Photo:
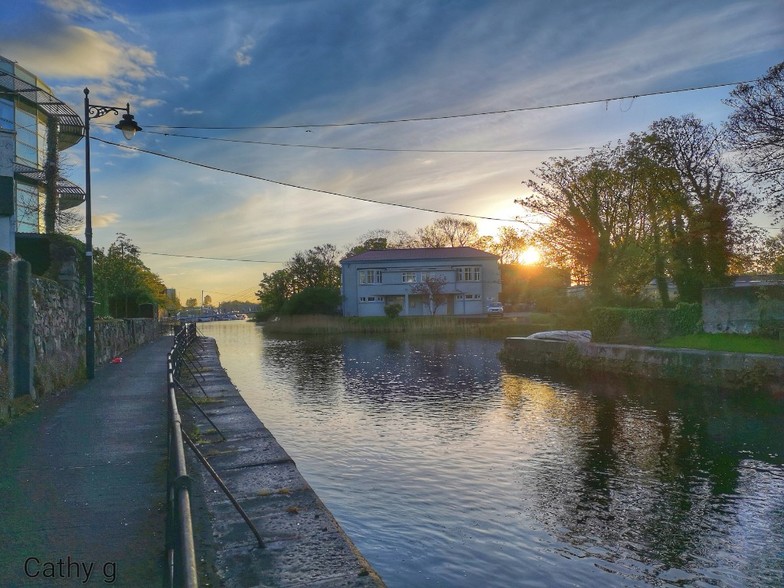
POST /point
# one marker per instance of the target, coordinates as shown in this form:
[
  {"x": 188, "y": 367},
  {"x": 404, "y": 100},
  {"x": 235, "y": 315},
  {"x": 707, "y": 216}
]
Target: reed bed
[{"x": 409, "y": 326}]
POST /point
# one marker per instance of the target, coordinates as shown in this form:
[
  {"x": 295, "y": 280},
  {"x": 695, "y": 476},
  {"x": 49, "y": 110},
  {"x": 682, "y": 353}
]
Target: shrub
[
  {"x": 645, "y": 325},
  {"x": 393, "y": 310},
  {"x": 685, "y": 319}
]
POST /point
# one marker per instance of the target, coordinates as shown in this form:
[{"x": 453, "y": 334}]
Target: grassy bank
[
  {"x": 414, "y": 326},
  {"x": 726, "y": 342}
]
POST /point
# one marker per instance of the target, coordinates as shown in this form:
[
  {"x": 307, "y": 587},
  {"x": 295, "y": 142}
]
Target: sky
[{"x": 251, "y": 147}]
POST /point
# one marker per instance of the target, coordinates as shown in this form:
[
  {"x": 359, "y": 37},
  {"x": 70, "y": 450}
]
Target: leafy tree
[
  {"x": 756, "y": 129},
  {"x": 191, "y": 303},
  {"x": 313, "y": 300},
  {"x": 123, "y": 282},
  {"x": 509, "y": 244},
  {"x": 208, "y": 300},
  {"x": 379, "y": 239},
  {"x": 274, "y": 290},
  {"x": 597, "y": 218},
  {"x": 431, "y": 287},
  {"x": 704, "y": 208},
  {"x": 315, "y": 268}
]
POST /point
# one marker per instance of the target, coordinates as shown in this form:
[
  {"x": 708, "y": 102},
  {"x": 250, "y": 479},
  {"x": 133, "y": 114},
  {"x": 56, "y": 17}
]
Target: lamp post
[{"x": 128, "y": 127}]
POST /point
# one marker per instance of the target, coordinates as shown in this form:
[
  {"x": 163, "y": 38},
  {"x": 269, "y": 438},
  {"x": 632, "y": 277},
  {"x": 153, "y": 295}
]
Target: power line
[
  {"x": 317, "y": 190},
  {"x": 465, "y": 115},
  {"x": 382, "y": 149},
  {"x": 209, "y": 258}
]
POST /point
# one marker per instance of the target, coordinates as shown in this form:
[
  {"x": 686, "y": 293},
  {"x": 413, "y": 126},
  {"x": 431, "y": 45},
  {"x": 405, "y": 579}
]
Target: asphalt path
[{"x": 83, "y": 481}]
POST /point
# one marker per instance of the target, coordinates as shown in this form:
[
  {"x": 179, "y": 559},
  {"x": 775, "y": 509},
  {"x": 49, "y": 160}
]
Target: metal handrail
[{"x": 181, "y": 552}]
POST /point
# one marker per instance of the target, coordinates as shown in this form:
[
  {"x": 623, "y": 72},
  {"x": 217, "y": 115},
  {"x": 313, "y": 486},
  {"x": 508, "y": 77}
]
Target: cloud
[
  {"x": 55, "y": 46},
  {"x": 185, "y": 111},
  {"x": 242, "y": 57},
  {"x": 105, "y": 220}
]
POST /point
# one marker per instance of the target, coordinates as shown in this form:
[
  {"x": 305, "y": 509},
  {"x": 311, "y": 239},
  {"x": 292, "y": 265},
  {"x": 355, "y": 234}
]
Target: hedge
[{"x": 644, "y": 325}]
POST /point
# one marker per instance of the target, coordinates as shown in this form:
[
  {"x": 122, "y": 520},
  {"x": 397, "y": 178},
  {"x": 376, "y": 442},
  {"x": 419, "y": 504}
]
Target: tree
[
  {"x": 274, "y": 290},
  {"x": 756, "y": 129},
  {"x": 509, "y": 244},
  {"x": 314, "y": 268},
  {"x": 314, "y": 300},
  {"x": 122, "y": 282},
  {"x": 771, "y": 257},
  {"x": 431, "y": 287},
  {"x": 705, "y": 207},
  {"x": 191, "y": 303},
  {"x": 208, "y": 300},
  {"x": 448, "y": 232},
  {"x": 597, "y": 218}
]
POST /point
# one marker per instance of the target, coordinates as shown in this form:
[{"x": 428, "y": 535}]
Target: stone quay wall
[
  {"x": 42, "y": 335},
  {"x": 712, "y": 368}
]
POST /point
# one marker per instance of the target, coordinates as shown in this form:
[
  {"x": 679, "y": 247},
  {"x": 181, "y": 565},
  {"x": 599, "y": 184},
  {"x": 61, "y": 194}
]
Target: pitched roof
[{"x": 422, "y": 253}]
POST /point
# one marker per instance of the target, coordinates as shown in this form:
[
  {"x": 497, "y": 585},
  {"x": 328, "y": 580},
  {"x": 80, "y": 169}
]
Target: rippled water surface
[{"x": 446, "y": 469}]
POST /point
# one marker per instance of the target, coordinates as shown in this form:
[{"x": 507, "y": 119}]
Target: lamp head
[{"x": 127, "y": 125}]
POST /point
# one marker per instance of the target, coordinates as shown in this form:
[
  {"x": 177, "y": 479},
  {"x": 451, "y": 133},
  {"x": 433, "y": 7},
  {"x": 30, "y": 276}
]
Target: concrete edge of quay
[
  {"x": 750, "y": 371},
  {"x": 304, "y": 544}
]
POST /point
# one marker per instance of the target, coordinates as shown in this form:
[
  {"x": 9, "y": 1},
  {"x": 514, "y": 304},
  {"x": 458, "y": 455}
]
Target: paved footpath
[{"x": 83, "y": 481}]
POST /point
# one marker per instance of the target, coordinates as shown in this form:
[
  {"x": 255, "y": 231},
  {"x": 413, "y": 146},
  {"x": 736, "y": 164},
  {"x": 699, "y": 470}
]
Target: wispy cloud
[
  {"x": 186, "y": 111},
  {"x": 105, "y": 220},
  {"x": 242, "y": 56}
]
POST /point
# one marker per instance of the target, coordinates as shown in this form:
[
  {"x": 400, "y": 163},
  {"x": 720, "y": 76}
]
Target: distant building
[
  {"x": 171, "y": 294},
  {"x": 34, "y": 127},
  {"x": 374, "y": 279}
]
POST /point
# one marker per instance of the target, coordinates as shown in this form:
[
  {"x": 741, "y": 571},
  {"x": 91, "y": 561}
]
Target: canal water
[{"x": 447, "y": 469}]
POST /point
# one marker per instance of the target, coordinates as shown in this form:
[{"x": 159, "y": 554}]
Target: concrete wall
[
  {"x": 42, "y": 335},
  {"x": 743, "y": 309},
  {"x": 725, "y": 370}
]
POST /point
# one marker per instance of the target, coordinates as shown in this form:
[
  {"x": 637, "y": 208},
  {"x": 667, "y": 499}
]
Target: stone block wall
[
  {"x": 743, "y": 309},
  {"x": 58, "y": 336},
  {"x": 42, "y": 346},
  {"x": 747, "y": 371}
]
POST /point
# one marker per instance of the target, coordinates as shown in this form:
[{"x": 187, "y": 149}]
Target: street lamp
[{"x": 128, "y": 127}]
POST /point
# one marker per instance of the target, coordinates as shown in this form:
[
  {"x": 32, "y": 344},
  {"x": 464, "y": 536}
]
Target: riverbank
[
  {"x": 750, "y": 371},
  {"x": 446, "y": 326},
  {"x": 304, "y": 544}
]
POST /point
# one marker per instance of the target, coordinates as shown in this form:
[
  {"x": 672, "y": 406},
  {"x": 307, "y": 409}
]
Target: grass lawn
[{"x": 726, "y": 342}]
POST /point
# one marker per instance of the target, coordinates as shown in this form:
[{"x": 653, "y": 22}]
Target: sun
[{"x": 530, "y": 256}]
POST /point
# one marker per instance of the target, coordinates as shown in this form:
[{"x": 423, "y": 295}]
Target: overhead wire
[
  {"x": 381, "y": 149},
  {"x": 210, "y": 258},
  {"x": 309, "y": 189},
  {"x": 463, "y": 115}
]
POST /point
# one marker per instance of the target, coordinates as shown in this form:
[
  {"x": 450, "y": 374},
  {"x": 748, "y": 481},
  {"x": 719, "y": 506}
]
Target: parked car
[{"x": 495, "y": 309}]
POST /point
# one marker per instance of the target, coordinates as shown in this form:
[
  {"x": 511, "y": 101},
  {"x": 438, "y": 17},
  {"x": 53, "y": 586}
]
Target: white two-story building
[{"x": 373, "y": 279}]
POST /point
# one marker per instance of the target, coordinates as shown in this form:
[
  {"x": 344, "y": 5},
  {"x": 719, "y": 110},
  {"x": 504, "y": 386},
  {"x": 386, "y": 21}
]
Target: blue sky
[{"x": 256, "y": 63}]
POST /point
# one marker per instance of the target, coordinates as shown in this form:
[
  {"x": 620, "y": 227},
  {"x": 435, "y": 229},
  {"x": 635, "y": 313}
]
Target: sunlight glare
[{"x": 530, "y": 256}]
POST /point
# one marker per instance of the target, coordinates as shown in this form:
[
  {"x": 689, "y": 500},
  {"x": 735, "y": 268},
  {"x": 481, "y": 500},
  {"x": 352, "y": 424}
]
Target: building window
[
  {"x": 367, "y": 299},
  {"x": 6, "y": 115},
  {"x": 471, "y": 273},
  {"x": 469, "y": 297},
  {"x": 369, "y": 276},
  {"x": 409, "y": 277}
]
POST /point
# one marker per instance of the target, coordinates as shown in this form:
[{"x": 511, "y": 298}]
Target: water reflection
[{"x": 448, "y": 470}]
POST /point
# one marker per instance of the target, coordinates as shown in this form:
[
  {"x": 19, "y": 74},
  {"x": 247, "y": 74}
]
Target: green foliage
[
  {"x": 315, "y": 268},
  {"x": 393, "y": 310},
  {"x": 314, "y": 300},
  {"x": 123, "y": 283},
  {"x": 685, "y": 319},
  {"x": 644, "y": 325}
]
